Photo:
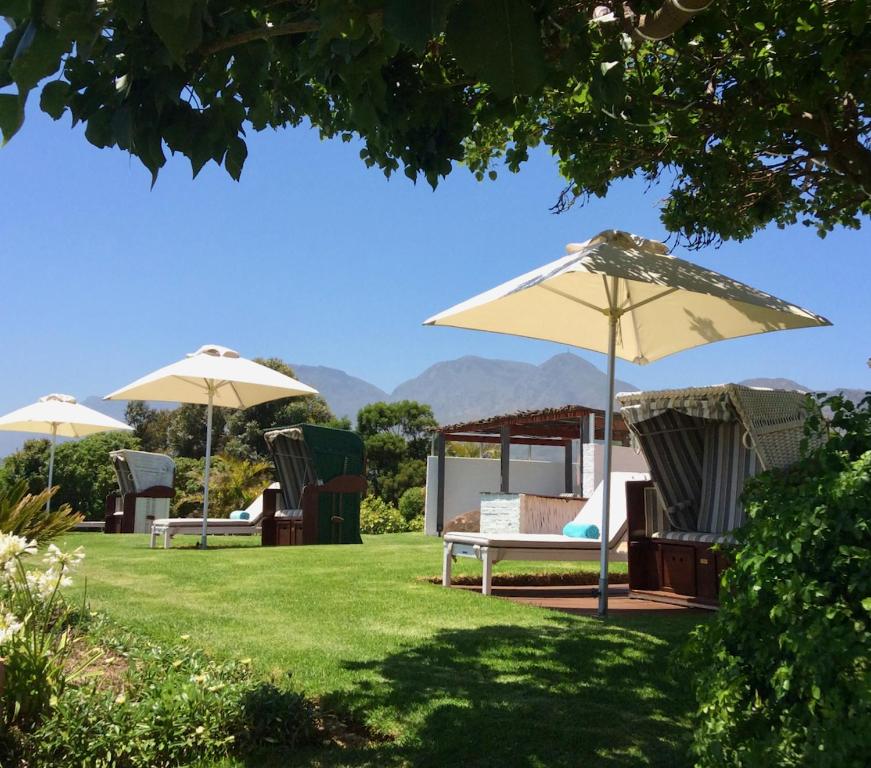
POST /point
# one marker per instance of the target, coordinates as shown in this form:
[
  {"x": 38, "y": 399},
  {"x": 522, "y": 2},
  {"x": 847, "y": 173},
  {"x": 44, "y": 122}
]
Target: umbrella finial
[
  {"x": 215, "y": 350},
  {"x": 57, "y": 398}
]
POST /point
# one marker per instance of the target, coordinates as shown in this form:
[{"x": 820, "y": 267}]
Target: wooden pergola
[{"x": 553, "y": 427}]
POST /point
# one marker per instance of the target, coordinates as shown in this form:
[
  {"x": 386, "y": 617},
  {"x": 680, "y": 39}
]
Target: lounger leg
[
  {"x": 167, "y": 538},
  {"x": 153, "y": 537},
  {"x": 448, "y": 561},
  {"x": 487, "y": 577}
]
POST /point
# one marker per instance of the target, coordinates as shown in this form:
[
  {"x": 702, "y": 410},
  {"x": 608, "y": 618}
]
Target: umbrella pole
[
  {"x": 606, "y": 490},
  {"x": 208, "y": 465},
  {"x": 51, "y": 465}
]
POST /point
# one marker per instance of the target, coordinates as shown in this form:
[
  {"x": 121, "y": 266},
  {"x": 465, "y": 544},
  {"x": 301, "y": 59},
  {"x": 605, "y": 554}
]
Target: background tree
[
  {"x": 751, "y": 112},
  {"x": 186, "y": 433},
  {"x": 150, "y": 425},
  {"x": 396, "y": 436},
  {"x": 245, "y": 428},
  {"x": 82, "y": 470}
]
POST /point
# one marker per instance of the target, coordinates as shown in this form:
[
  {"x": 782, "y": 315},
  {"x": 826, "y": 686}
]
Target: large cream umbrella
[
  {"x": 627, "y": 297},
  {"x": 59, "y": 416},
  {"x": 213, "y": 376}
]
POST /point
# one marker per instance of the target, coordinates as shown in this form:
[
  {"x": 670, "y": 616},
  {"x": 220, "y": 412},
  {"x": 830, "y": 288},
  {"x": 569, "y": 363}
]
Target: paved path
[{"x": 581, "y": 600}]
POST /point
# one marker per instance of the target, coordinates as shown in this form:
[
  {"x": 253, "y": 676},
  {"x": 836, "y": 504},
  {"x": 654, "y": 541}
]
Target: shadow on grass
[{"x": 572, "y": 693}]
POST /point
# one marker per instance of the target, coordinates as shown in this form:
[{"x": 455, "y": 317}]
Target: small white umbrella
[
  {"x": 627, "y": 297},
  {"x": 59, "y": 416},
  {"x": 213, "y": 375}
]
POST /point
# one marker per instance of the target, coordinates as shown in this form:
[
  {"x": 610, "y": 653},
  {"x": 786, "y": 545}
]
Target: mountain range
[{"x": 462, "y": 389}]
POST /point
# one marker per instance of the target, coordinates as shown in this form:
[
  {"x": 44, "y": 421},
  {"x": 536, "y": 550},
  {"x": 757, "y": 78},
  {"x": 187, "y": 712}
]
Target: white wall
[
  {"x": 623, "y": 459},
  {"x": 466, "y": 479}
]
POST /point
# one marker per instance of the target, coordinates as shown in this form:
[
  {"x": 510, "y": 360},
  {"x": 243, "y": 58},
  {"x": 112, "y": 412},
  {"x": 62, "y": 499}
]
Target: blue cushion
[
  {"x": 581, "y": 530},
  {"x": 239, "y": 514}
]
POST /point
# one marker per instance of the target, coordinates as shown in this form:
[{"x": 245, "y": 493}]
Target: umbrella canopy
[
  {"x": 627, "y": 297},
  {"x": 59, "y": 416},
  {"x": 216, "y": 373},
  {"x": 62, "y": 416},
  {"x": 663, "y": 304},
  {"x": 213, "y": 375}
]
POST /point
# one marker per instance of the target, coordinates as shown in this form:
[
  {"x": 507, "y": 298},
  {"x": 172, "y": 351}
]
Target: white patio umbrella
[
  {"x": 59, "y": 416},
  {"x": 213, "y": 375},
  {"x": 627, "y": 297}
]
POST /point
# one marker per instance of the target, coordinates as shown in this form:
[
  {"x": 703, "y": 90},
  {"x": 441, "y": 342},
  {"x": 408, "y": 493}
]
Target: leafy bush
[
  {"x": 82, "y": 470},
  {"x": 35, "y": 637},
  {"x": 377, "y": 516},
  {"x": 23, "y": 514},
  {"x": 233, "y": 484},
  {"x": 188, "y": 498},
  {"x": 174, "y": 706},
  {"x": 783, "y": 673},
  {"x": 411, "y": 503}
]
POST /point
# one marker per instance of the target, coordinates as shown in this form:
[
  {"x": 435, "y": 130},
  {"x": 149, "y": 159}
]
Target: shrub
[
  {"x": 783, "y": 673},
  {"x": 174, "y": 706},
  {"x": 35, "y": 637},
  {"x": 23, "y": 514},
  {"x": 377, "y": 516},
  {"x": 233, "y": 484},
  {"x": 82, "y": 470},
  {"x": 411, "y": 504}
]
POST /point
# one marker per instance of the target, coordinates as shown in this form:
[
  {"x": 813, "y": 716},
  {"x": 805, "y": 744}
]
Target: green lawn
[{"x": 456, "y": 678}]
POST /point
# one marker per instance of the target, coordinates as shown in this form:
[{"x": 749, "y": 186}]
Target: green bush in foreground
[
  {"x": 35, "y": 638},
  {"x": 783, "y": 673},
  {"x": 411, "y": 506},
  {"x": 377, "y": 516},
  {"x": 24, "y": 514},
  {"x": 175, "y": 706}
]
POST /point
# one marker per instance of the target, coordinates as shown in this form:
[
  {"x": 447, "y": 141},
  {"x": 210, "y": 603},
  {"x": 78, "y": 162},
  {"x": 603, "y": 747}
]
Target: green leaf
[
  {"x": 500, "y": 42},
  {"x": 38, "y": 55},
  {"x": 858, "y": 15},
  {"x": 237, "y": 151},
  {"x": 178, "y": 24},
  {"x": 54, "y": 97},
  {"x": 15, "y": 9},
  {"x": 129, "y": 10},
  {"x": 7, "y": 52},
  {"x": 11, "y": 115},
  {"x": 416, "y": 22}
]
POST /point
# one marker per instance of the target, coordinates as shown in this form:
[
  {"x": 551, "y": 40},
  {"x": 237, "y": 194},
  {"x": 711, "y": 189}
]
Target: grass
[{"x": 450, "y": 676}]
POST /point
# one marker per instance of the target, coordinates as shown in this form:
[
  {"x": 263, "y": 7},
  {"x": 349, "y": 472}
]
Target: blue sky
[{"x": 318, "y": 260}]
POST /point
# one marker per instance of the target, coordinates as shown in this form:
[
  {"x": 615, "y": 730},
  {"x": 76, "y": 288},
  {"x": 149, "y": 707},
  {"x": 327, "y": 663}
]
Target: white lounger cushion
[
  {"x": 525, "y": 540},
  {"x": 197, "y": 522},
  {"x": 591, "y": 512}
]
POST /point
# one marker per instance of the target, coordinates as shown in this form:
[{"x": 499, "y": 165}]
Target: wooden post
[
  {"x": 440, "y": 485},
  {"x": 505, "y": 458},
  {"x": 568, "y": 467}
]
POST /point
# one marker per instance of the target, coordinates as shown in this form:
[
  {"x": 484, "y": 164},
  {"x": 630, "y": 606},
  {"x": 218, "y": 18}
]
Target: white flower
[
  {"x": 45, "y": 583},
  {"x": 67, "y": 561},
  {"x": 9, "y": 625},
  {"x": 12, "y": 547}
]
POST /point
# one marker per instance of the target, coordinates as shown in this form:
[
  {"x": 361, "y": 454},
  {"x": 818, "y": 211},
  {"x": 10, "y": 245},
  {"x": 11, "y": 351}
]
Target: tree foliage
[
  {"x": 783, "y": 673},
  {"x": 82, "y": 470},
  {"x": 753, "y": 112},
  {"x": 396, "y": 436}
]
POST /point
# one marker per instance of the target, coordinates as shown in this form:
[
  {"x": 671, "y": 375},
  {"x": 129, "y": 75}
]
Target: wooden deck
[{"x": 582, "y": 600}]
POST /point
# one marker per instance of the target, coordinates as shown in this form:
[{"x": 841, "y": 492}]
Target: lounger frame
[{"x": 477, "y": 546}]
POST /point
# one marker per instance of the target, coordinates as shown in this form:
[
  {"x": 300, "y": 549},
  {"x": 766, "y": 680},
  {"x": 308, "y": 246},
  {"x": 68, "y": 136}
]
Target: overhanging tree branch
[
  {"x": 262, "y": 33},
  {"x": 672, "y": 15}
]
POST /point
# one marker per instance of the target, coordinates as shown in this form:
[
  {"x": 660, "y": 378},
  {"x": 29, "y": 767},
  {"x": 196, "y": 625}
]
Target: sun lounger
[
  {"x": 493, "y": 548},
  {"x": 174, "y": 526}
]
